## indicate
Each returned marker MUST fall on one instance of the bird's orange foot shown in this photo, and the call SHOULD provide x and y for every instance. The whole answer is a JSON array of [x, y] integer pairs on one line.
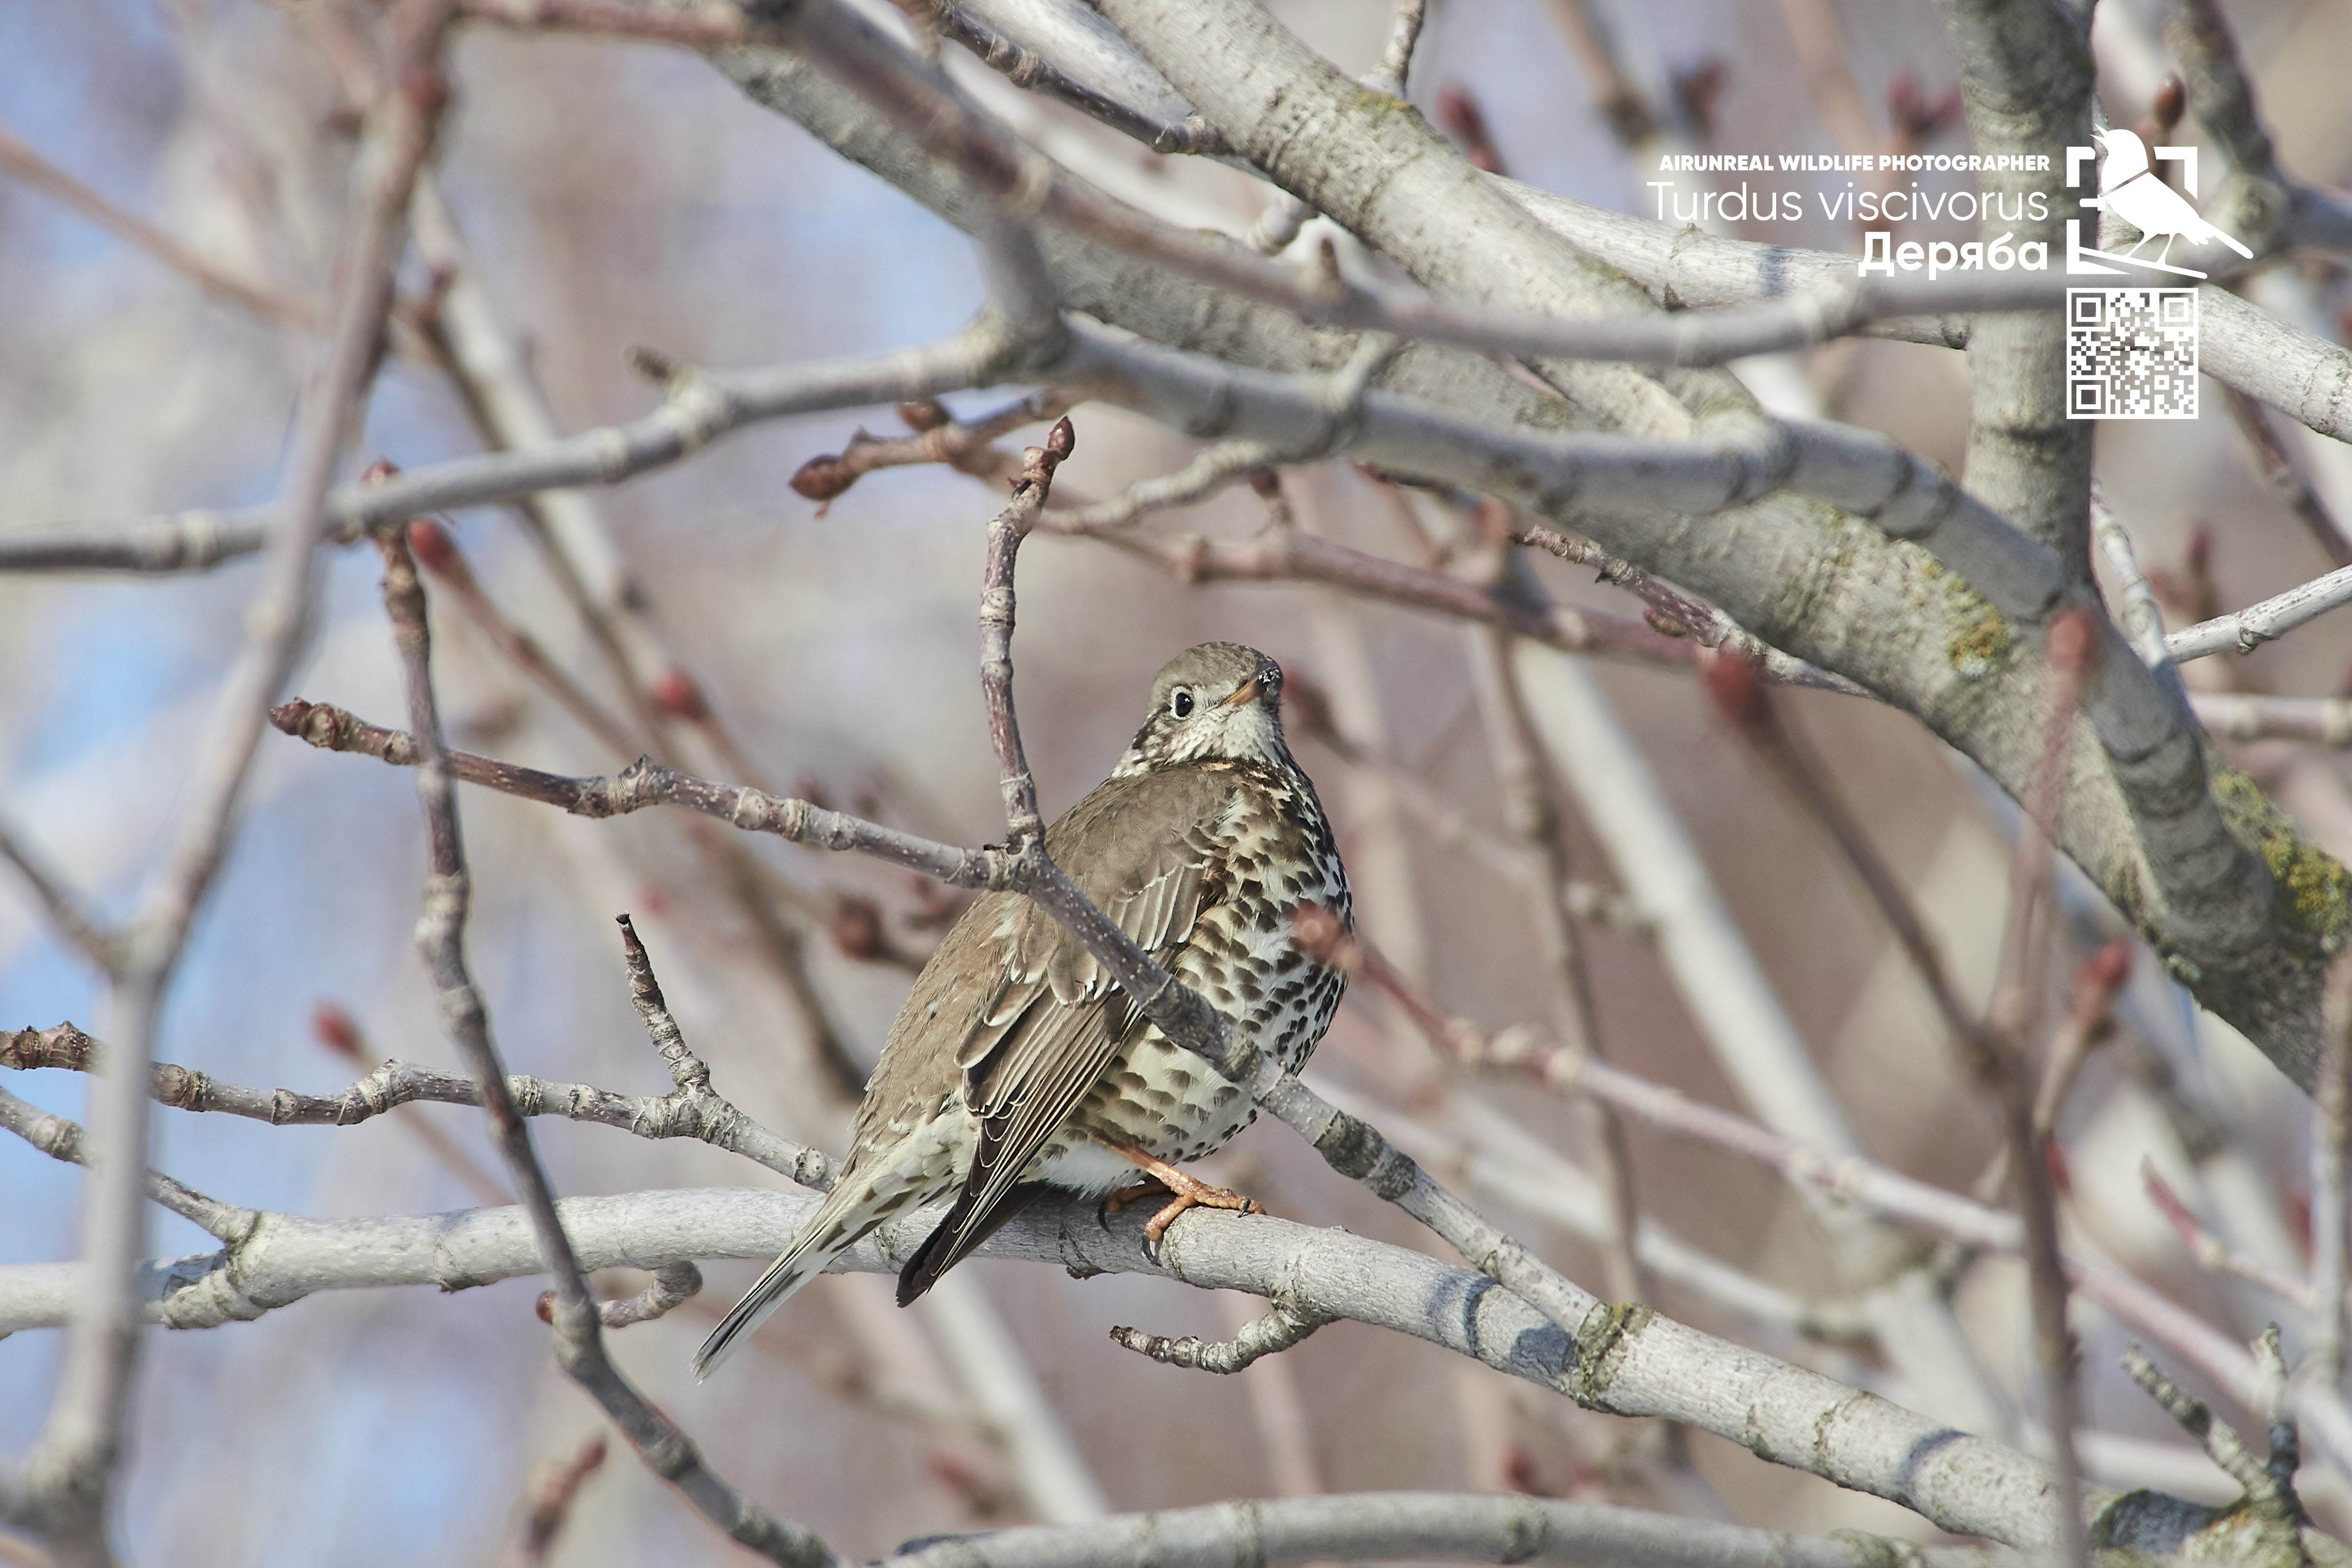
[[1186, 1193]]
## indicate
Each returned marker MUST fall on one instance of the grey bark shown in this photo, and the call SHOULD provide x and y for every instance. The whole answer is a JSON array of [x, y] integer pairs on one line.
[[2025, 76], [1817, 582]]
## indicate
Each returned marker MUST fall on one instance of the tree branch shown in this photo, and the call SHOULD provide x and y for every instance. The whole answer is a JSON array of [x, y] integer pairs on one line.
[[440, 938], [693, 1110], [700, 408], [66, 1481]]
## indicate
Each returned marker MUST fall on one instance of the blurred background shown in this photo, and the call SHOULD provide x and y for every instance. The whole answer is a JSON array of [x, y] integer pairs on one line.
[[610, 196]]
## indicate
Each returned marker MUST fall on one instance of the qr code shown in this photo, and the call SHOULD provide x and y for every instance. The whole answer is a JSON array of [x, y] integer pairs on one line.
[[2131, 353]]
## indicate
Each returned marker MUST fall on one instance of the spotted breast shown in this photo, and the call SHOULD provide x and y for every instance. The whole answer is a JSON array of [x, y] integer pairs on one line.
[[1016, 1059]]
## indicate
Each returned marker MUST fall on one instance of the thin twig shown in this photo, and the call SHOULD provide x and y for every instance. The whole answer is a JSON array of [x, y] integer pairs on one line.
[[2139, 615], [440, 938], [2000, 1055], [1229, 461], [1027, 68], [1306, 715], [2242, 716], [700, 408], [695, 1110], [70, 1472], [966, 446], [1515, 756], [2242, 631], [2269, 1485], [1276, 1330], [1396, 61], [2331, 1174], [1701, 621], [2286, 480], [2208, 1249], [672, 1285], [65, 907], [19, 159], [65, 1141], [439, 553], [1291, 554], [1746, 703], [646, 784], [552, 1496]]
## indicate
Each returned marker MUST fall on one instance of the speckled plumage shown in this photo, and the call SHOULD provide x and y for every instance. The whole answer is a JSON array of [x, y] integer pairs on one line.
[[1016, 1059]]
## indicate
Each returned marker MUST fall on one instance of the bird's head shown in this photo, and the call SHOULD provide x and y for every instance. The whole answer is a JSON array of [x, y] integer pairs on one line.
[[1217, 700], [2127, 156]]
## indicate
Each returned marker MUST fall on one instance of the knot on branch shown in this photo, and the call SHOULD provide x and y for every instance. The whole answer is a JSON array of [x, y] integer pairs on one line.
[[1355, 1149], [59, 1046], [635, 787]]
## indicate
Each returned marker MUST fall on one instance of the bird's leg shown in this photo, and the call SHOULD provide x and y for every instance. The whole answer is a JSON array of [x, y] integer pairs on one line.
[[2168, 249], [2136, 249], [1190, 1192]]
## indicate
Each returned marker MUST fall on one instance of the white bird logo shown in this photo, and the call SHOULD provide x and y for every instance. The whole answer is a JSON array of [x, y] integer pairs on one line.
[[2129, 189]]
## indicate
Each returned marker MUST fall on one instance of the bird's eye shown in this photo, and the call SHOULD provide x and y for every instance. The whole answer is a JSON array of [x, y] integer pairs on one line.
[[1180, 704]]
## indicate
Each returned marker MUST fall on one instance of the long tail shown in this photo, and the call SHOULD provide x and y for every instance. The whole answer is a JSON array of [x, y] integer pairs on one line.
[[863, 1200]]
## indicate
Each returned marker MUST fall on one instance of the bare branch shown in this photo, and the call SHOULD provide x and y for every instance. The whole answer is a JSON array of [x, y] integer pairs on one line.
[[19, 159], [1860, 1181], [2140, 616], [64, 906], [1027, 68], [2241, 716], [701, 406], [2207, 1248], [2270, 1503], [1276, 1332], [2000, 1056], [2277, 467], [70, 1475], [440, 938], [644, 784], [1746, 704], [964, 446], [694, 1110], [1515, 753], [552, 1497], [65, 1141], [1383, 1526], [1706, 624], [2244, 631], [1655, 1366], [673, 1285], [2331, 1190]]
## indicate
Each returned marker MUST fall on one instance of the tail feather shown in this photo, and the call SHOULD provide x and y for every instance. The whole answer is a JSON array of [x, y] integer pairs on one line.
[[853, 1209]]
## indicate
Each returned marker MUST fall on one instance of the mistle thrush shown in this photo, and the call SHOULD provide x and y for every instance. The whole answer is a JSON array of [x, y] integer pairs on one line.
[[1016, 1059]]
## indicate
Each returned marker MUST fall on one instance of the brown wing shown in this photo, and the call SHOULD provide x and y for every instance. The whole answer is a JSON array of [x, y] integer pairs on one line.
[[1144, 850]]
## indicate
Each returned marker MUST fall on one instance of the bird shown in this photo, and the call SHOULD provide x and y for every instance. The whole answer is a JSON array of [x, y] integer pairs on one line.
[[2129, 189], [1017, 1060]]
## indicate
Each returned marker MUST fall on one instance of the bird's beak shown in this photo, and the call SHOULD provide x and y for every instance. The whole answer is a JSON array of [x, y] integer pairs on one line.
[[1249, 693]]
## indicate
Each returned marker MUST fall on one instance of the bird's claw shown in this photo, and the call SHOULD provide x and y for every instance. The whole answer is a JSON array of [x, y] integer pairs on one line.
[[1190, 1194], [1201, 1195]]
